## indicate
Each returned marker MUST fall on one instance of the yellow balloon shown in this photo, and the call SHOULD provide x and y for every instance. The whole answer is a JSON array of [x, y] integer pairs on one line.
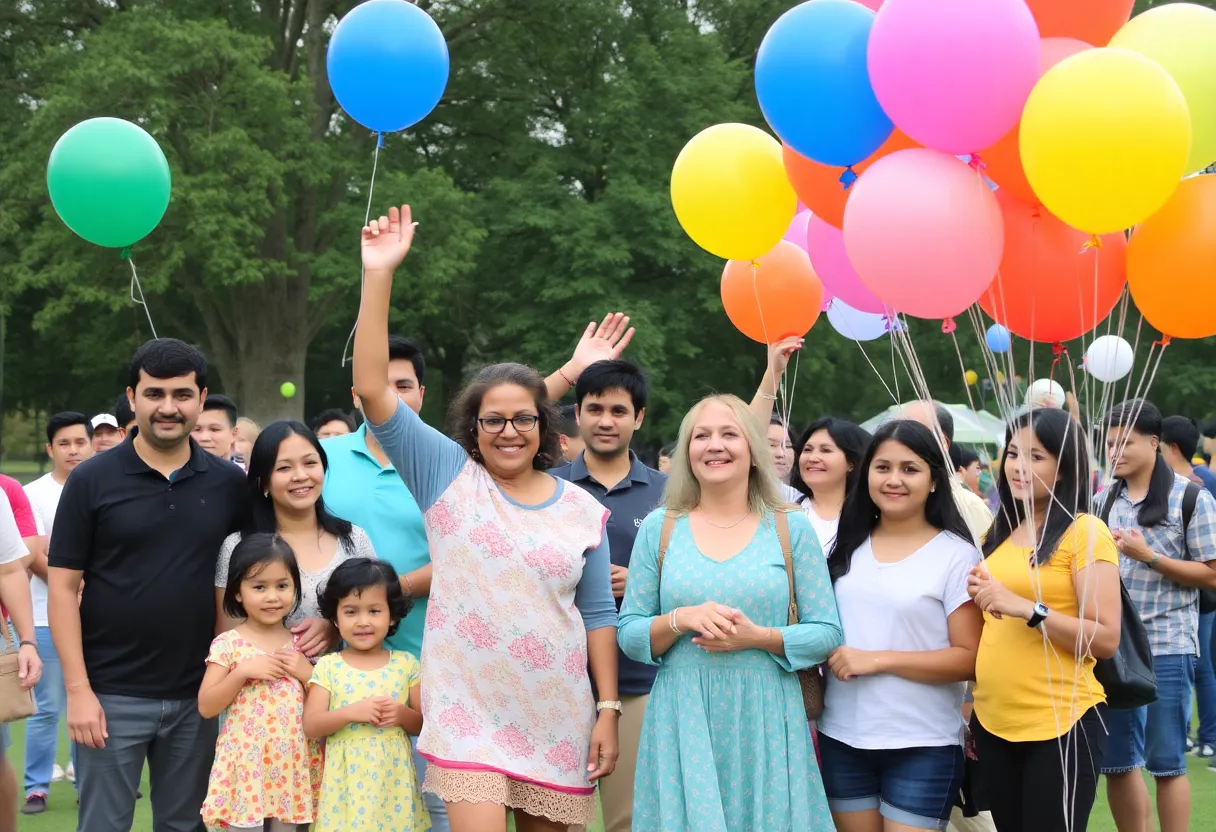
[[972, 377], [1105, 139], [730, 193], [1182, 38]]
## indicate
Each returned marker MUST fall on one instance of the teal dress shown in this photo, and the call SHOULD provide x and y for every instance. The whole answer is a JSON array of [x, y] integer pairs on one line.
[[725, 743]]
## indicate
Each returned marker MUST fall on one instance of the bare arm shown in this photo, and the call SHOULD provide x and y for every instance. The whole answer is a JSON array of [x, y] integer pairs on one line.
[[219, 689], [1188, 572], [601, 343], [383, 250], [774, 369], [409, 717], [38, 552], [321, 722], [417, 584]]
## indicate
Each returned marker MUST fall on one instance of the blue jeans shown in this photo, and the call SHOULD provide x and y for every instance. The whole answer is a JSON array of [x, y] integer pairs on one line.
[[1205, 682], [42, 729], [1154, 737], [436, 807]]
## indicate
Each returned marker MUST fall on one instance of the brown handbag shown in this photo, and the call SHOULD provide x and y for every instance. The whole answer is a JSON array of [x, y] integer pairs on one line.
[[16, 702], [810, 680]]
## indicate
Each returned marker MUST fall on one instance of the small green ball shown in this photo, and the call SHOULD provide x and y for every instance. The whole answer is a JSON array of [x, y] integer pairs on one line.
[[288, 389]]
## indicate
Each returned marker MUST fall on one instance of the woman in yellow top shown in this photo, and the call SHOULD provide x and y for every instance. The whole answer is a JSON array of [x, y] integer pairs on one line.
[[1049, 589]]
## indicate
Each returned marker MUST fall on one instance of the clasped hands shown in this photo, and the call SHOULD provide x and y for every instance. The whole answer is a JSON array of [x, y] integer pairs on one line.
[[721, 629]]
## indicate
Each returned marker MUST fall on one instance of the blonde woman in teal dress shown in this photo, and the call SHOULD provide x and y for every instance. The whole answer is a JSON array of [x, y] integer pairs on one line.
[[725, 744]]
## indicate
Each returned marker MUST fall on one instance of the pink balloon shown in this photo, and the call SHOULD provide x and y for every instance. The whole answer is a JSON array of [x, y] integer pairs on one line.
[[871, 4], [825, 245], [954, 74], [796, 233], [924, 232]]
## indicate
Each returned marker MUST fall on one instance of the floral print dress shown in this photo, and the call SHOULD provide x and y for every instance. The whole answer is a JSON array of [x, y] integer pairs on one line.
[[264, 765]]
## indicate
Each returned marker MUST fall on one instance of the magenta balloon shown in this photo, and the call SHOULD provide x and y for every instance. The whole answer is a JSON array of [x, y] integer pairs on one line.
[[796, 233], [954, 74], [924, 233], [825, 245], [871, 4]]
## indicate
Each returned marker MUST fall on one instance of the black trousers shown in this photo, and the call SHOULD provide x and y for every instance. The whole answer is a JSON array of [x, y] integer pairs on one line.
[[1045, 786]]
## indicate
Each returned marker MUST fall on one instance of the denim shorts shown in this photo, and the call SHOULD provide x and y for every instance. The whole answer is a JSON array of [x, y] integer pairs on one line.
[[913, 786], [1154, 737]]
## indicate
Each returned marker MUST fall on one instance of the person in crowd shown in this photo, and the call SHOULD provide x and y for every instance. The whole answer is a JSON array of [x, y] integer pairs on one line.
[[332, 422], [666, 454], [124, 414], [725, 746], [15, 597], [247, 432], [938, 419], [967, 467], [521, 598], [829, 454], [1179, 443], [364, 702], [215, 431], [568, 435], [266, 773], [781, 446], [1208, 429], [67, 445], [1164, 558], [145, 521], [611, 398], [106, 432], [1049, 587], [780, 435], [286, 478], [889, 737]]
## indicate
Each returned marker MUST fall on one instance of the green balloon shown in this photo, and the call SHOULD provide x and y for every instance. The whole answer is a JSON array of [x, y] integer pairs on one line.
[[109, 181], [287, 389]]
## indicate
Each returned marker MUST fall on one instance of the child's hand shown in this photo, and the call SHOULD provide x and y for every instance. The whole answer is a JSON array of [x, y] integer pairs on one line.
[[390, 711], [365, 710], [294, 662], [262, 668]]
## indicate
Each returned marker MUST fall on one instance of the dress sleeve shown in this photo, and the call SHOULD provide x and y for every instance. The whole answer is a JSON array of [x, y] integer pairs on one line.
[[593, 595], [221, 651], [225, 557], [23, 512], [424, 458], [818, 631], [1092, 542], [641, 603], [12, 547], [362, 544], [413, 672], [322, 675], [954, 589]]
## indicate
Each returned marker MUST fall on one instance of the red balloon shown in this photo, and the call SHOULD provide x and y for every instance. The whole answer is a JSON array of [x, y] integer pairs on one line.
[[1048, 288], [776, 296], [1093, 21]]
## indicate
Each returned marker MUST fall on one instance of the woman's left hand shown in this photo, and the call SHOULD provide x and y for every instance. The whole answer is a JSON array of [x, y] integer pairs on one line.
[[847, 663], [312, 636], [605, 746], [994, 598], [747, 636]]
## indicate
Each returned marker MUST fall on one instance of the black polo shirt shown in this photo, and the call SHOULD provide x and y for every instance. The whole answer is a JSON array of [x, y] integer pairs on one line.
[[147, 546], [629, 501]]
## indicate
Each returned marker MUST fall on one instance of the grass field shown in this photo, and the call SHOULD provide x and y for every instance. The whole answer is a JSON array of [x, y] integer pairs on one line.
[[21, 470]]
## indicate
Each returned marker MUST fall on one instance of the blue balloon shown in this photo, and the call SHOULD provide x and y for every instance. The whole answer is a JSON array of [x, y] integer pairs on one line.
[[387, 64], [813, 84], [998, 338]]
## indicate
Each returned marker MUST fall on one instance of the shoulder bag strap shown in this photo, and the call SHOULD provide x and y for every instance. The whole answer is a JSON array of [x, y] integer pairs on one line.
[[783, 535], [669, 525], [1189, 498]]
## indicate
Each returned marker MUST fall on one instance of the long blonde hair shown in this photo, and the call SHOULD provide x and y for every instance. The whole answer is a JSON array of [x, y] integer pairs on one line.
[[683, 492]]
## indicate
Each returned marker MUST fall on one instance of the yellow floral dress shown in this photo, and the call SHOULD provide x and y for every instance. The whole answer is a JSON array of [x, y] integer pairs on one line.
[[264, 765], [369, 782]]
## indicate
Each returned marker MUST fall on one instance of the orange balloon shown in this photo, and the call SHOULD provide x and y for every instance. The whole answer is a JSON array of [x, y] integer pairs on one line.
[[1003, 161], [1171, 261], [776, 296], [1093, 21], [1048, 288], [819, 186]]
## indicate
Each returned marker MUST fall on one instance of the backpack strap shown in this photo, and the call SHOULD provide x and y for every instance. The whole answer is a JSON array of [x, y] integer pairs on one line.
[[669, 525], [1189, 498], [1109, 500], [782, 520]]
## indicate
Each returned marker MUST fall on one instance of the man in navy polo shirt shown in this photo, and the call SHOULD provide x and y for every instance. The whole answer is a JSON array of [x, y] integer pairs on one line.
[[611, 403]]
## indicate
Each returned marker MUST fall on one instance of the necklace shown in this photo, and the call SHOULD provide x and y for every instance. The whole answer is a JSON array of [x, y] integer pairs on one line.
[[729, 525]]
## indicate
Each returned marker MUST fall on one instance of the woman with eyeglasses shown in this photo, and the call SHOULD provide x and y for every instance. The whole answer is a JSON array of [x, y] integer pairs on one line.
[[521, 600]]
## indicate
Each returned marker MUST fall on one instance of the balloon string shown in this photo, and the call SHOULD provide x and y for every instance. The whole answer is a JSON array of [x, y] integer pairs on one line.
[[137, 288], [367, 216], [962, 366]]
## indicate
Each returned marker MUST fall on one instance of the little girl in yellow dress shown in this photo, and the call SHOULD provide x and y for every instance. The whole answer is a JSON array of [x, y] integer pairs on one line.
[[364, 701], [266, 772]]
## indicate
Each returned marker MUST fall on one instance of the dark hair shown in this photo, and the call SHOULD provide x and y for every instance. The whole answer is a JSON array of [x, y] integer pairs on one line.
[[218, 401], [859, 515], [1071, 495], [668, 450], [945, 421], [614, 374], [332, 415], [468, 404], [252, 554], [852, 439], [401, 348], [1208, 428], [1182, 432], [566, 423], [123, 413], [66, 419], [961, 457], [168, 358], [1142, 417], [354, 576], [261, 467]]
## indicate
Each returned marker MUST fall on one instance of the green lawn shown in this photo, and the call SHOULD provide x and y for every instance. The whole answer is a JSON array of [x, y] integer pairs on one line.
[[21, 470]]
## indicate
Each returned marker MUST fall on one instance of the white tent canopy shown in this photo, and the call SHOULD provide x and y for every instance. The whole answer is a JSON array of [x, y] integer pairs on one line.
[[971, 427]]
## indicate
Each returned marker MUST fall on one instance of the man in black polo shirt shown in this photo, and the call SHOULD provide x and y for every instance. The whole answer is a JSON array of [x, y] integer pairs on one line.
[[611, 403], [142, 526]]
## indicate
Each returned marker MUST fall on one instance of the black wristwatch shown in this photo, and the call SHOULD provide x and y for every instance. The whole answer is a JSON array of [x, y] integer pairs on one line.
[[1040, 613]]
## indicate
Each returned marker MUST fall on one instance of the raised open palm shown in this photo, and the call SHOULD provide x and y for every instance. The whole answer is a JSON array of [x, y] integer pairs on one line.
[[602, 343], [387, 240]]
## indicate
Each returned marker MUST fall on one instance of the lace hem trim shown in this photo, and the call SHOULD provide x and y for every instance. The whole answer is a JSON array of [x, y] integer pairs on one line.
[[491, 787]]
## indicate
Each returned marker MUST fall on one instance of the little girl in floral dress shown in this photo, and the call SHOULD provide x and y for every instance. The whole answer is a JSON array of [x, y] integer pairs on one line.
[[266, 773]]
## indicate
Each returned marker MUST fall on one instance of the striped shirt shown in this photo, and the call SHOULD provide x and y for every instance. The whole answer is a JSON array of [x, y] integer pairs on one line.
[[1170, 611]]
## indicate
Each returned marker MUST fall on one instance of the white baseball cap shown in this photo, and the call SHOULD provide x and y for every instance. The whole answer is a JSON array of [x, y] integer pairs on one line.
[[104, 419]]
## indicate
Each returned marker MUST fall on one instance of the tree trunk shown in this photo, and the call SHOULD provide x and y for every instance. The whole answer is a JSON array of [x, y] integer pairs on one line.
[[272, 353]]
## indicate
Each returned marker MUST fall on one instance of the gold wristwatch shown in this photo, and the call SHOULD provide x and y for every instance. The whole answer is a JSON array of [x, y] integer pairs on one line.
[[612, 705]]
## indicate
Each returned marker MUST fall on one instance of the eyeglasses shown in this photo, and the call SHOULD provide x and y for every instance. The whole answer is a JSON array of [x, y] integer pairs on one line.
[[497, 424]]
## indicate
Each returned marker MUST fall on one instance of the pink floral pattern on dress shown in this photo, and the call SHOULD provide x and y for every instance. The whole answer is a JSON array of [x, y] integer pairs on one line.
[[442, 518], [564, 756], [576, 662], [549, 561], [533, 652], [460, 721], [436, 618], [473, 627], [512, 740], [492, 540]]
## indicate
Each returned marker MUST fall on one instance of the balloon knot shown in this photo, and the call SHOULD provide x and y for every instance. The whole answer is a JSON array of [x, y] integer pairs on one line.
[[1058, 349], [125, 254], [949, 326], [1093, 242], [1164, 342], [848, 177], [977, 164], [379, 140]]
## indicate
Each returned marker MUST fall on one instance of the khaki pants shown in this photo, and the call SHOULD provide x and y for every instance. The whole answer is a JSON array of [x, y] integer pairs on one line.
[[616, 790]]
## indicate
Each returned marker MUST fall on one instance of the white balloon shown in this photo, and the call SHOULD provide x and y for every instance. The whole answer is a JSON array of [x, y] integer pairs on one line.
[[854, 324], [1041, 390], [1109, 358]]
